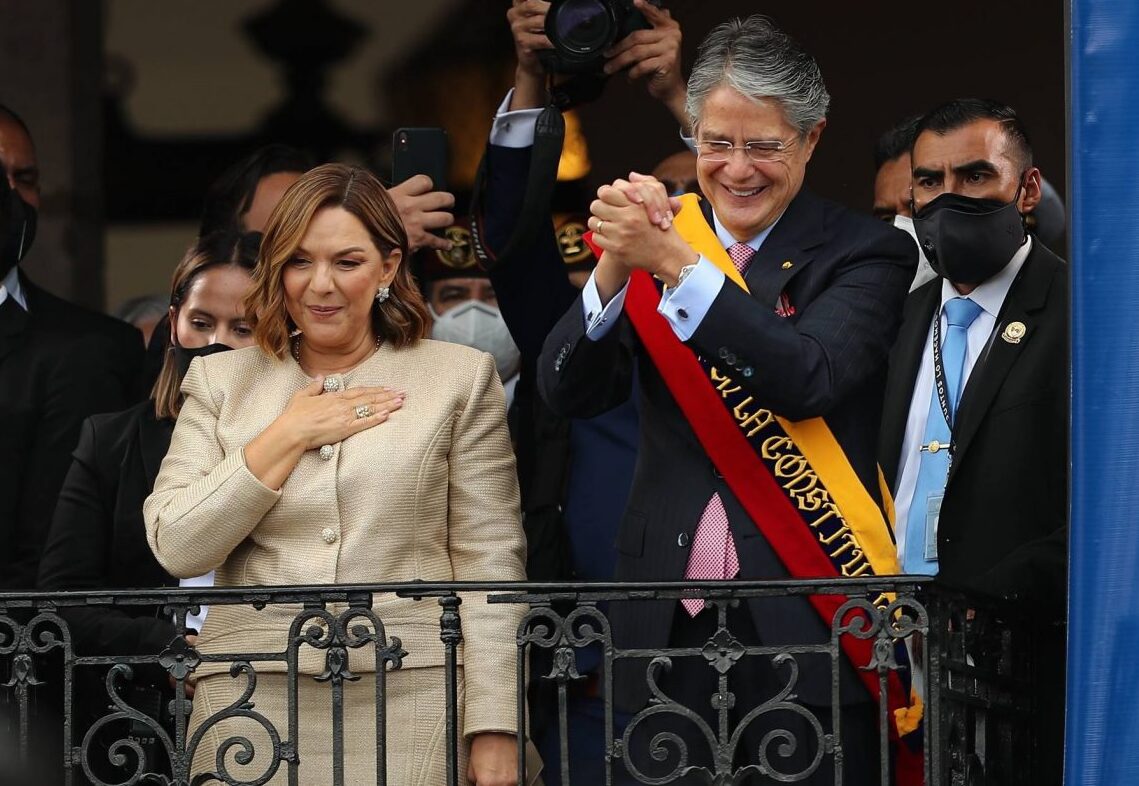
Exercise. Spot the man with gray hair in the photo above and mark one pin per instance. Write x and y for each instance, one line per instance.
(759, 320)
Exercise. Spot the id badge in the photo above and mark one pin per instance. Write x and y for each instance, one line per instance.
(932, 514)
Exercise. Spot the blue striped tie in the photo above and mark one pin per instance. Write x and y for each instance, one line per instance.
(934, 469)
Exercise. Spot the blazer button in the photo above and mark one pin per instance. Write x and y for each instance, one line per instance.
(747, 372)
(329, 535)
(682, 539)
(333, 383)
(723, 353)
(327, 452)
(731, 358)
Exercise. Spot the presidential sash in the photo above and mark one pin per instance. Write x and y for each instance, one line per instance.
(792, 478)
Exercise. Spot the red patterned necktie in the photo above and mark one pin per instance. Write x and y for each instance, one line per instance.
(713, 556)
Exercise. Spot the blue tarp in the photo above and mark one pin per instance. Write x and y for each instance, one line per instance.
(1103, 678)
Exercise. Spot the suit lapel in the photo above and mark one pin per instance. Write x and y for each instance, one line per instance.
(786, 251)
(154, 441)
(13, 323)
(1026, 298)
(905, 360)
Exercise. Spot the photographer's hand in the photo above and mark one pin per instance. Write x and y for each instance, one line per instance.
(527, 20)
(654, 53)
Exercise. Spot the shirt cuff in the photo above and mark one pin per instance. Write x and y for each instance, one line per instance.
(513, 129)
(686, 305)
(599, 319)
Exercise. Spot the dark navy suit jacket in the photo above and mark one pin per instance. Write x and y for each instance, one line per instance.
(847, 280)
(584, 467)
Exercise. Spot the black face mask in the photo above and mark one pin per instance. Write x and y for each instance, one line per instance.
(17, 236)
(183, 355)
(969, 240)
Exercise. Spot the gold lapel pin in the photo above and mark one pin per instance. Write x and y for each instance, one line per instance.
(787, 265)
(1014, 332)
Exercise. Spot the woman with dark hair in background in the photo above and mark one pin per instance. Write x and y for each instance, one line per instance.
(347, 448)
(242, 198)
(97, 539)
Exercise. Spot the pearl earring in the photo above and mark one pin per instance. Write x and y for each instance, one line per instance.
(382, 294)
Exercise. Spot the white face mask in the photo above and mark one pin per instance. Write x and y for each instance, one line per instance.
(924, 272)
(475, 324)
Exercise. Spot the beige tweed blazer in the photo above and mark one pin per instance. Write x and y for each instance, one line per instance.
(430, 494)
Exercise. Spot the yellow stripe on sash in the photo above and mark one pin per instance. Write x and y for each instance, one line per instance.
(813, 437)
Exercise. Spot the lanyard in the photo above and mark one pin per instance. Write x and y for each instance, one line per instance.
(939, 384)
(942, 395)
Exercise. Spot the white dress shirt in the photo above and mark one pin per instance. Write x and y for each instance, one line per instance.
(513, 129)
(990, 296)
(10, 287)
(196, 621)
(684, 306)
(516, 129)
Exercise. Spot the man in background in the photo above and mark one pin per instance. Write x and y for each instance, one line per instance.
(892, 187)
(463, 304)
(59, 363)
(575, 473)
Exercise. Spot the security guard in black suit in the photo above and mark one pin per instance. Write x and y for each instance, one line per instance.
(59, 363)
(1001, 525)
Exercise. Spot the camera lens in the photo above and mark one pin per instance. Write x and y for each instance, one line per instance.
(583, 26)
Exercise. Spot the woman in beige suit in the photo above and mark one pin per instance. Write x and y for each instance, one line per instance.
(346, 448)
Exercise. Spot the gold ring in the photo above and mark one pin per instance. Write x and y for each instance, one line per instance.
(599, 223)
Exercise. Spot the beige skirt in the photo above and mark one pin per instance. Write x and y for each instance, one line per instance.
(416, 728)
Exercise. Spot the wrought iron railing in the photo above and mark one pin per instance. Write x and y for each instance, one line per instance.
(974, 659)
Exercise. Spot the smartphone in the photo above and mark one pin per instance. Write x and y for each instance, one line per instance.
(420, 151)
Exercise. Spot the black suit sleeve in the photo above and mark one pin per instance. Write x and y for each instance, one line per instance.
(1035, 573)
(803, 368)
(579, 377)
(531, 285)
(92, 377)
(77, 553)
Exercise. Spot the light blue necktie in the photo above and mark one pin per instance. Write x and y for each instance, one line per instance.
(934, 469)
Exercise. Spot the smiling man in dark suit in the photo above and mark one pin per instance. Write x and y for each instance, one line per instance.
(59, 363)
(766, 350)
(975, 432)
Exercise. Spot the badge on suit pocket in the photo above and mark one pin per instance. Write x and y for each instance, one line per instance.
(932, 514)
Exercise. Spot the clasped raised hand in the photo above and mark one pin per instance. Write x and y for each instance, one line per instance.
(632, 223)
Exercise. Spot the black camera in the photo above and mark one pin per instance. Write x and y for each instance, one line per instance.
(581, 30)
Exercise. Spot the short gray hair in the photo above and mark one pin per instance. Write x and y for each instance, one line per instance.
(760, 61)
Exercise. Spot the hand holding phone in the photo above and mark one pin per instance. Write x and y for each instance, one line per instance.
(424, 205)
(420, 151)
